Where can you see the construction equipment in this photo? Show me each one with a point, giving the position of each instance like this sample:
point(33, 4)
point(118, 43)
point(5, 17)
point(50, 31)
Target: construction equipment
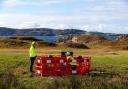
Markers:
point(59, 65)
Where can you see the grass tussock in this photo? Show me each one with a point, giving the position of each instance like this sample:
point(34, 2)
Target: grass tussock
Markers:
point(9, 81)
point(80, 82)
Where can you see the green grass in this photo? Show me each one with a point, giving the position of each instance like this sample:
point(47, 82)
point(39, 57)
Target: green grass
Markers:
point(14, 65)
point(110, 63)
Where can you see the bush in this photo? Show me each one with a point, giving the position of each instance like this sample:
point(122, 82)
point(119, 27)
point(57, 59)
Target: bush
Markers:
point(77, 45)
point(25, 38)
point(50, 44)
point(15, 43)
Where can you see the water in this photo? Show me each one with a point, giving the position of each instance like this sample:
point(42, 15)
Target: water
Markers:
point(44, 38)
point(47, 38)
point(113, 38)
point(5, 36)
point(109, 37)
point(54, 38)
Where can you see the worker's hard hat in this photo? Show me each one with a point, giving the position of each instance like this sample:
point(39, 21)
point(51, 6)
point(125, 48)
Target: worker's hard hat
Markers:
point(33, 42)
point(68, 53)
point(50, 56)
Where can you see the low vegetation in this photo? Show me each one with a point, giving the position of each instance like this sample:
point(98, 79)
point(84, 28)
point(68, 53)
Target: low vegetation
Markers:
point(27, 38)
point(108, 71)
point(109, 68)
point(77, 45)
point(49, 44)
point(24, 42)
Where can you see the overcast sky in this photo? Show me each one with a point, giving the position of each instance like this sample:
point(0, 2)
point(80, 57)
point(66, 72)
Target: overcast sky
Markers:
point(90, 15)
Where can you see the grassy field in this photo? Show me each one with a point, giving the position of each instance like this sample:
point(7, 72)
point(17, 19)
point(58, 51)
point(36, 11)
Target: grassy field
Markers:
point(109, 70)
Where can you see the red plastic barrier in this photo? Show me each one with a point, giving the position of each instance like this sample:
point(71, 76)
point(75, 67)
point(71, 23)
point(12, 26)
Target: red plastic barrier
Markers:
point(39, 70)
point(84, 65)
point(39, 60)
point(61, 66)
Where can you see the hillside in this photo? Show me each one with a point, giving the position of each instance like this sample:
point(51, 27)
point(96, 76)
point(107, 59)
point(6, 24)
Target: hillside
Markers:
point(90, 38)
point(123, 40)
point(37, 32)
point(23, 42)
point(53, 32)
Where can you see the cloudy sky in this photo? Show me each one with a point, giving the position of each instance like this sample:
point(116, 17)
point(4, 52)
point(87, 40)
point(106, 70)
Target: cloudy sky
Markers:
point(90, 15)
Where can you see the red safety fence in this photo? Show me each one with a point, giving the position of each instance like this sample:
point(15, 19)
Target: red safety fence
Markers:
point(46, 66)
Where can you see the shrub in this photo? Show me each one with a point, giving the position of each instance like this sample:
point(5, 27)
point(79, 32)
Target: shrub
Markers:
point(50, 44)
point(25, 38)
point(77, 45)
point(15, 43)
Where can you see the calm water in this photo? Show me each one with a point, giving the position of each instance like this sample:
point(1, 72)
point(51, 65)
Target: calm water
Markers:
point(54, 38)
point(113, 38)
point(45, 38)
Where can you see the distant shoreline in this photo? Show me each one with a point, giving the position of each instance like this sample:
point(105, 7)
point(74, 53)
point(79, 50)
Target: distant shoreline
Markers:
point(45, 38)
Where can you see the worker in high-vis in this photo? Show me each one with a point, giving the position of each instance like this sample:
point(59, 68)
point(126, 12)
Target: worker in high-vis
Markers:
point(32, 55)
point(73, 62)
